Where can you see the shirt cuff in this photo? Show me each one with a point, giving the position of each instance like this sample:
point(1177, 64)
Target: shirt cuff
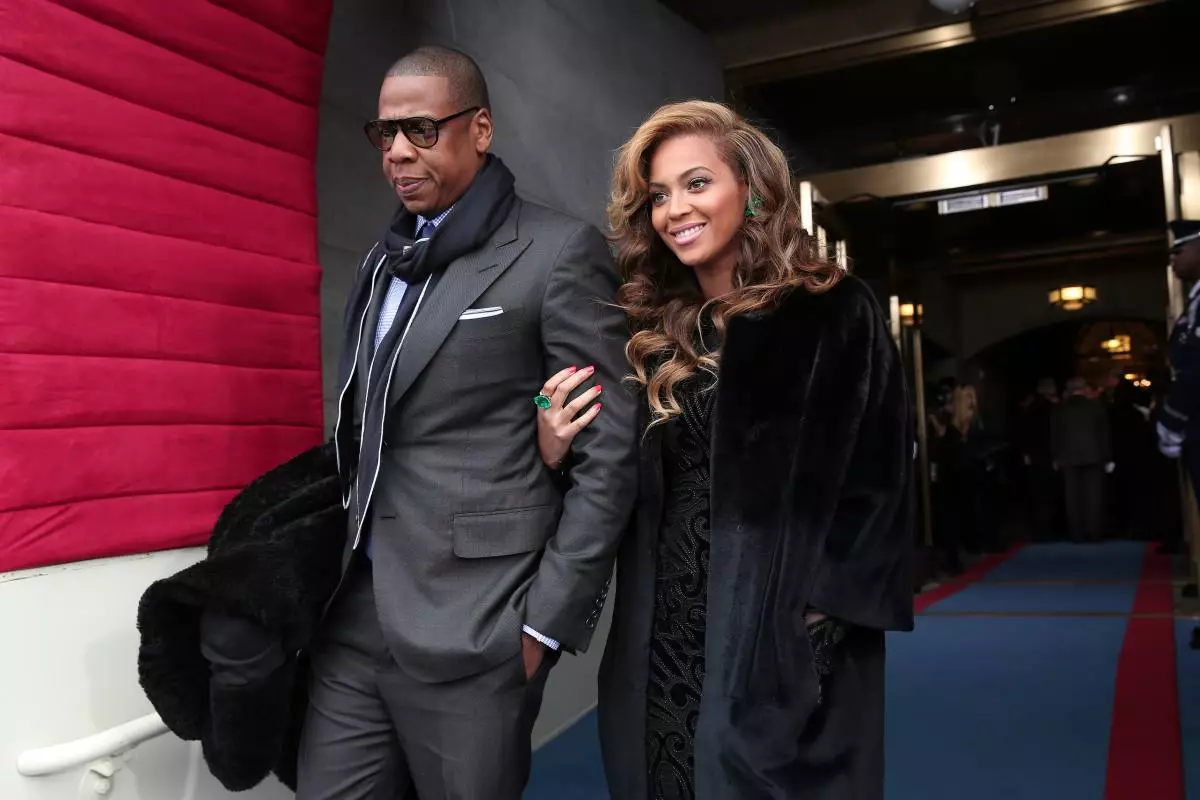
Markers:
point(546, 640)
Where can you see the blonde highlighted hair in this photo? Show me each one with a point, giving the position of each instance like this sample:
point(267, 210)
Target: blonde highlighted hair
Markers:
point(659, 294)
point(966, 407)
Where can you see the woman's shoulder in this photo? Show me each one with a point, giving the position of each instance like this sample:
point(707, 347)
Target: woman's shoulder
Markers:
point(848, 300)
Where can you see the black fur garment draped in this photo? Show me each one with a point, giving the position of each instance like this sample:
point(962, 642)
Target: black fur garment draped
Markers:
point(810, 507)
point(273, 560)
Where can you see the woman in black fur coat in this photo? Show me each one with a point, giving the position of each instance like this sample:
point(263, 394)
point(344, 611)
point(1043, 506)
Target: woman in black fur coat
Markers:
point(770, 549)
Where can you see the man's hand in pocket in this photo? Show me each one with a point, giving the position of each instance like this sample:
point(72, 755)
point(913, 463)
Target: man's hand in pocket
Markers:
point(532, 652)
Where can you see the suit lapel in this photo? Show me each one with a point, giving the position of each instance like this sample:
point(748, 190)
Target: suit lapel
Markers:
point(459, 286)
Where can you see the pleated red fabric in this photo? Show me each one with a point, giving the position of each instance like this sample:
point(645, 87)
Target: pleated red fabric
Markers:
point(159, 284)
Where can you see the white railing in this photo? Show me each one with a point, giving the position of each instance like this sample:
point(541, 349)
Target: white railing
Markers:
point(82, 752)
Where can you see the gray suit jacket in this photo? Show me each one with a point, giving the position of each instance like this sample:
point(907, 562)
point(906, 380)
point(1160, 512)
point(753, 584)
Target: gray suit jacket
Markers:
point(1079, 433)
point(471, 537)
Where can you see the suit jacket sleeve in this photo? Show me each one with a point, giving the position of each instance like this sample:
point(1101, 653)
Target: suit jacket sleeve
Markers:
point(863, 573)
point(581, 326)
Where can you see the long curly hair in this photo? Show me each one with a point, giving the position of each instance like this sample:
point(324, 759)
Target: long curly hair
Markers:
point(660, 295)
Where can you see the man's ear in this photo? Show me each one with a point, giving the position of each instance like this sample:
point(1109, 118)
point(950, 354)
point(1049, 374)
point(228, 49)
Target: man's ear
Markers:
point(481, 129)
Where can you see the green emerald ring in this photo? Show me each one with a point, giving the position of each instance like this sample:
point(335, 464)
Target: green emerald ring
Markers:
point(542, 402)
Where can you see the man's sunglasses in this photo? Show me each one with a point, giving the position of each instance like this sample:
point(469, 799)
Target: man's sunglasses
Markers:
point(421, 131)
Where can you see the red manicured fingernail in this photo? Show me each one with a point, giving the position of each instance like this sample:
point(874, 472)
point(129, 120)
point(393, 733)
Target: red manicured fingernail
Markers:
point(591, 369)
point(599, 388)
point(572, 369)
point(598, 405)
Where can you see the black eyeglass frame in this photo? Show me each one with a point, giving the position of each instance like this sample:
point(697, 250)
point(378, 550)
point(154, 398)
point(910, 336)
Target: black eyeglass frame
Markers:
point(386, 129)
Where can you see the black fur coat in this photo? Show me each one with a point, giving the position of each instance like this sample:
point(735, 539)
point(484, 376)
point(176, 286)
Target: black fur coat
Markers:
point(273, 558)
point(810, 508)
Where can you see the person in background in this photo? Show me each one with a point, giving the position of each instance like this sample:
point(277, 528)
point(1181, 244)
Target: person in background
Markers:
point(1133, 455)
point(1044, 494)
point(1177, 420)
point(985, 446)
point(1164, 498)
point(958, 478)
point(945, 492)
point(772, 543)
point(1081, 444)
point(1178, 424)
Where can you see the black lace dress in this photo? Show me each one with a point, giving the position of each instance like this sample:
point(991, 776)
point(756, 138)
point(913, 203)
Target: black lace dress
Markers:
point(681, 590)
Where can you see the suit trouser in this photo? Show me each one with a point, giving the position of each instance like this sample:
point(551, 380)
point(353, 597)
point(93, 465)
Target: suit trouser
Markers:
point(1085, 501)
point(375, 733)
point(1044, 496)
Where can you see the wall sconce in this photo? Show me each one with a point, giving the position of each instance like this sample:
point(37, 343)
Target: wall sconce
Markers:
point(1119, 345)
point(911, 314)
point(1072, 298)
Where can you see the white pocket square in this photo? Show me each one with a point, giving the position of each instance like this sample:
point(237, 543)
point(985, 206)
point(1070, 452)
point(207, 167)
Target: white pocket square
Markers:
point(482, 313)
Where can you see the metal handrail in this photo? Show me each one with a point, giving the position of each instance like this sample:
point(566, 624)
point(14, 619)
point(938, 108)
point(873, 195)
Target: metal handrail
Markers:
point(69, 755)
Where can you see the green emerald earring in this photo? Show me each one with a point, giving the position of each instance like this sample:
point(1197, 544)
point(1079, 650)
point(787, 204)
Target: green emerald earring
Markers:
point(752, 206)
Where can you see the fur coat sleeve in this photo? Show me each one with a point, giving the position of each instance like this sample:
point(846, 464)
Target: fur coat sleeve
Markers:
point(868, 539)
point(273, 560)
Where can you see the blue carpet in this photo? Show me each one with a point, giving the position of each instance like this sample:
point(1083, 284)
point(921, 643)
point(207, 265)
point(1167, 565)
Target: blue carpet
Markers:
point(989, 708)
point(569, 766)
point(1001, 709)
point(1062, 598)
point(1187, 668)
point(1109, 561)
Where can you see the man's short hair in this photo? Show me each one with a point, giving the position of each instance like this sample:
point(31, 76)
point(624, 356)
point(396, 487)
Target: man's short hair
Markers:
point(467, 85)
point(1076, 385)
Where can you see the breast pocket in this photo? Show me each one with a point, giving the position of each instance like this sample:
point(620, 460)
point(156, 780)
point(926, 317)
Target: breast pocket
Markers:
point(488, 322)
point(490, 349)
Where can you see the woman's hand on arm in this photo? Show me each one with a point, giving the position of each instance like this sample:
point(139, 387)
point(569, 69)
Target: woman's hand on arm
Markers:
point(562, 421)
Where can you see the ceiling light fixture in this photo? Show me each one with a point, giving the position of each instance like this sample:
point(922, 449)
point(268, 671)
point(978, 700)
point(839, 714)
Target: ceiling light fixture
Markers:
point(978, 201)
point(1072, 298)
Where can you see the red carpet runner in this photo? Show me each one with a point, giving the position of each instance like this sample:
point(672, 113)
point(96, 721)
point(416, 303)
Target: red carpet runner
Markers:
point(925, 599)
point(1145, 760)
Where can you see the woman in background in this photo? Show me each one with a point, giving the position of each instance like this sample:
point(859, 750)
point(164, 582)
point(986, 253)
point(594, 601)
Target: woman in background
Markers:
point(770, 547)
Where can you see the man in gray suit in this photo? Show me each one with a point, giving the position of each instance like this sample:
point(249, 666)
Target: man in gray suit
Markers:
point(1081, 445)
point(467, 567)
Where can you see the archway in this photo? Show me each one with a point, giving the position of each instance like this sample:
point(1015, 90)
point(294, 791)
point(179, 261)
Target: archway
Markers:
point(1091, 348)
point(1005, 375)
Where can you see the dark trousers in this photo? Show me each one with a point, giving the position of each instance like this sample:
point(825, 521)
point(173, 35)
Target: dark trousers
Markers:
point(375, 733)
point(1191, 468)
point(948, 522)
point(1085, 501)
point(1044, 498)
